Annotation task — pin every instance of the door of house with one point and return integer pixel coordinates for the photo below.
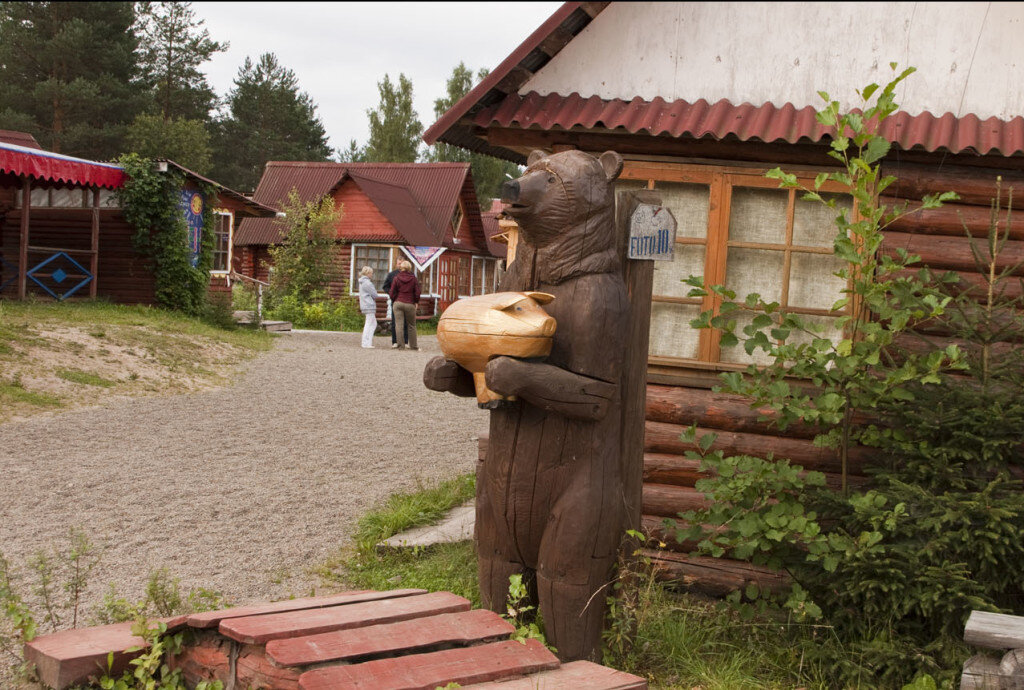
(447, 280)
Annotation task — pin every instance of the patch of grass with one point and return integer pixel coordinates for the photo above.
(449, 567)
(102, 317)
(12, 392)
(84, 377)
(441, 567)
(428, 327)
(402, 511)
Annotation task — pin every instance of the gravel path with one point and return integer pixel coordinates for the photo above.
(241, 488)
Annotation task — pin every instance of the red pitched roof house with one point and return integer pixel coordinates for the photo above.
(71, 238)
(424, 212)
(701, 99)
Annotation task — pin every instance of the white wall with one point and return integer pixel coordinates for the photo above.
(969, 56)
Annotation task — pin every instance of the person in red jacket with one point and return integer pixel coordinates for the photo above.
(405, 295)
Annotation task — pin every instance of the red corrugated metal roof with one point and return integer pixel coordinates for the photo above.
(767, 123)
(9, 136)
(398, 206)
(435, 186)
(491, 228)
(56, 167)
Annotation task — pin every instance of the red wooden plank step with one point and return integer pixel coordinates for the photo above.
(578, 675)
(427, 671)
(210, 619)
(275, 626)
(449, 628)
(69, 657)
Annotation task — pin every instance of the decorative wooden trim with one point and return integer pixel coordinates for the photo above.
(26, 205)
(94, 260)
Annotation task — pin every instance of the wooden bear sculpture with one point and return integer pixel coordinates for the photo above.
(549, 494)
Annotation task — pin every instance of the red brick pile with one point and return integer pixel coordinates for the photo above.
(406, 638)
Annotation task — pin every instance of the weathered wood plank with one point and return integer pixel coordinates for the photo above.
(578, 674)
(460, 628)
(275, 626)
(994, 630)
(210, 619)
(428, 671)
(981, 673)
(69, 657)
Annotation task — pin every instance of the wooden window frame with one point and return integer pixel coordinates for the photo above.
(220, 212)
(721, 179)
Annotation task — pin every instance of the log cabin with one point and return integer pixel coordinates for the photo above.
(701, 100)
(71, 240)
(426, 213)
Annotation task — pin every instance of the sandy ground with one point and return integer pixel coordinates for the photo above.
(241, 488)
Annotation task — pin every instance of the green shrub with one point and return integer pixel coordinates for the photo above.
(320, 313)
(895, 570)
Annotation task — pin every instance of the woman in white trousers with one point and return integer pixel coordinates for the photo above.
(368, 304)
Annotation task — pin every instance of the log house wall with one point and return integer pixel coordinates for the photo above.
(679, 398)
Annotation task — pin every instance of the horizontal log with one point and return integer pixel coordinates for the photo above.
(952, 219)
(675, 470)
(719, 411)
(662, 437)
(667, 501)
(975, 285)
(994, 630)
(954, 253)
(975, 187)
(715, 577)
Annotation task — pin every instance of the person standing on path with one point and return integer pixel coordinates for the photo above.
(405, 295)
(368, 304)
(386, 289)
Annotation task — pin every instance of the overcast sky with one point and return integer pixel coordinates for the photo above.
(340, 50)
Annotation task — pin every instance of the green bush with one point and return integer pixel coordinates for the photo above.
(320, 313)
(939, 531)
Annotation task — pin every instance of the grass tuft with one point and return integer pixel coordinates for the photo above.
(84, 377)
(402, 511)
(14, 392)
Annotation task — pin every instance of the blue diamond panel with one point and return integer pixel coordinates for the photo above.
(8, 273)
(51, 273)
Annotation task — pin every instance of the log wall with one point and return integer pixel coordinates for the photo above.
(938, 236)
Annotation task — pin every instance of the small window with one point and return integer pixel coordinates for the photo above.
(457, 217)
(221, 242)
(376, 257)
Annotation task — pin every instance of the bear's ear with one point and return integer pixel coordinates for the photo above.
(535, 156)
(612, 164)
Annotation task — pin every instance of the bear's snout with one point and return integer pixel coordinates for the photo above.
(510, 191)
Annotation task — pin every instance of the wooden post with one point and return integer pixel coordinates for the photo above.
(94, 260)
(639, 277)
(26, 206)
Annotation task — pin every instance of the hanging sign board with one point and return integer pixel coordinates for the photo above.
(191, 205)
(422, 257)
(652, 233)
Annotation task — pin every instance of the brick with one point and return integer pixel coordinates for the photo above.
(427, 671)
(211, 619)
(275, 626)
(390, 638)
(579, 675)
(69, 657)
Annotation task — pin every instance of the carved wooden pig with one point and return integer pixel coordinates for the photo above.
(475, 330)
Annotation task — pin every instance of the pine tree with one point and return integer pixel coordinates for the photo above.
(173, 45)
(395, 128)
(269, 119)
(488, 172)
(184, 141)
(353, 154)
(68, 74)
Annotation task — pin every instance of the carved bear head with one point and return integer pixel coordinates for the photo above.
(560, 191)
